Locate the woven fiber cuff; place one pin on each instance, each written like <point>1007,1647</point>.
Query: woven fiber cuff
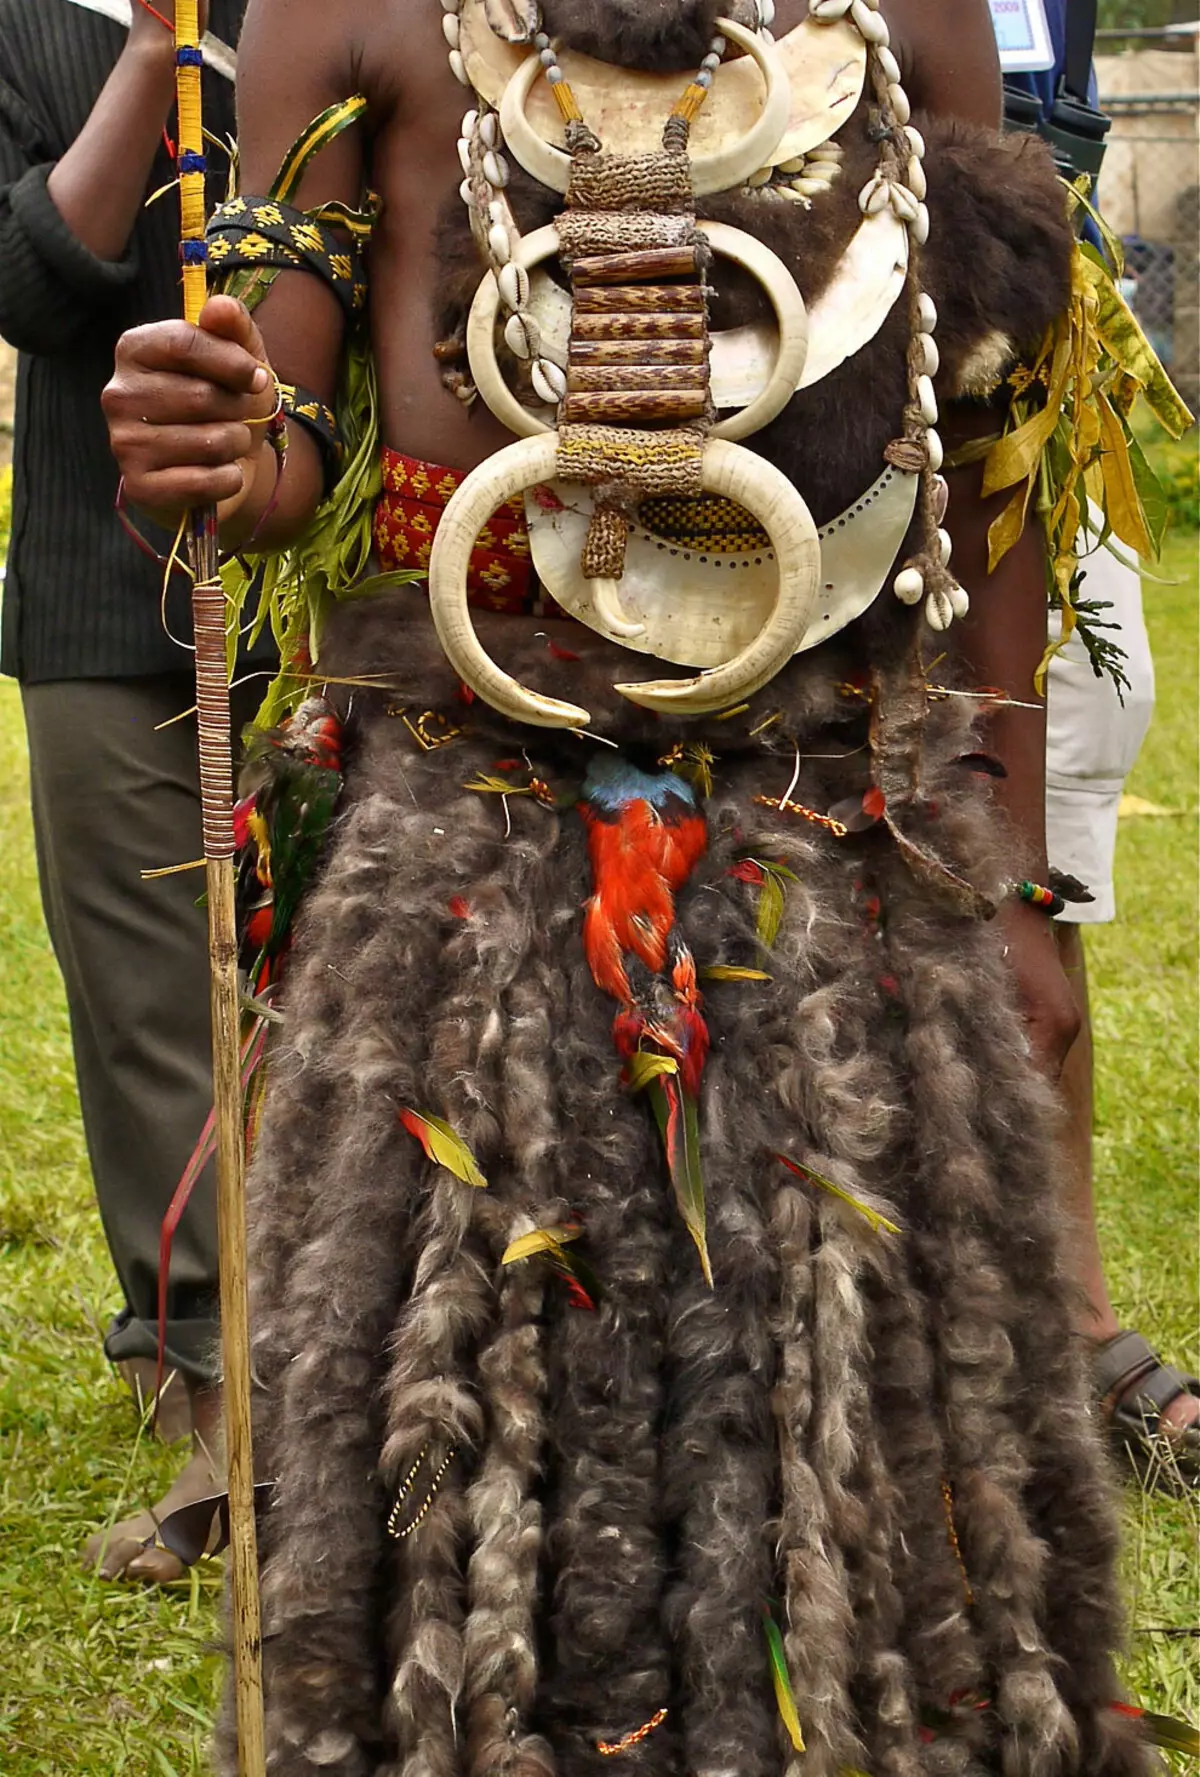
<point>249,232</point>
<point>583,232</point>
<point>632,182</point>
<point>604,549</point>
<point>644,463</point>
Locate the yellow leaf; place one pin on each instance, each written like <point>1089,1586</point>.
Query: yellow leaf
<point>541,1240</point>
<point>1131,807</point>
<point>729,972</point>
<point>645,1066</point>
<point>1017,455</point>
<point>1006,530</point>
<point>444,1147</point>
<point>1122,501</point>
<point>495,786</point>
<point>1128,346</point>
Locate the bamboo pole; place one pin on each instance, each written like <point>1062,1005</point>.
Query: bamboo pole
<point>216,790</point>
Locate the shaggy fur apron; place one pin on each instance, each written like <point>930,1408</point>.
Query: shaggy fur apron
<point>510,1532</point>
<point>877,1437</point>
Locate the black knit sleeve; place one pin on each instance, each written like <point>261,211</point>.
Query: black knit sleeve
<point>50,283</point>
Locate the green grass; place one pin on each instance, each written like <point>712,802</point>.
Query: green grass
<point>97,1680</point>
<point>1144,1013</point>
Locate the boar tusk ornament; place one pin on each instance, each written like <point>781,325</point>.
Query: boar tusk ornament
<point>621,400</point>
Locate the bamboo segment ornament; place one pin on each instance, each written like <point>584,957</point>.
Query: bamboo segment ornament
<point>216,790</point>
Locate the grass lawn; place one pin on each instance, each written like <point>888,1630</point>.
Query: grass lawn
<point>97,1680</point>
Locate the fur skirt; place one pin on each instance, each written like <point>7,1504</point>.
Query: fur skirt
<point>512,1536</point>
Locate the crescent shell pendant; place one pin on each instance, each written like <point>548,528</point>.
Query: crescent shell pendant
<point>728,165</point>
<point>825,65</point>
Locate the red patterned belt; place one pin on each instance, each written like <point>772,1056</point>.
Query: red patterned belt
<point>415,494</point>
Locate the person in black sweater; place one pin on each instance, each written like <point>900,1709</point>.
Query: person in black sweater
<point>86,106</point>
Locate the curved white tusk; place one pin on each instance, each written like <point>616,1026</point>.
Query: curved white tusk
<point>792,319</point>
<point>767,494</point>
<point>725,168</point>
<point>728,243</point>
<point>509,472</point>
<point>606,598</point>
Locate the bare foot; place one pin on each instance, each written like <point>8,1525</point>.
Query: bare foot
<point>127,1550</point>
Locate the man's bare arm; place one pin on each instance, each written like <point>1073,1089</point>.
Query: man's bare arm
<point>296,58</point>
<point>948,57</point>
<point>951,69</point>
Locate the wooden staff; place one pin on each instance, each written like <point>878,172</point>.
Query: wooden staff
<point>216,792</point>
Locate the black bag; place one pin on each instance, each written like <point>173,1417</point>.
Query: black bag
<point>1075,129</point>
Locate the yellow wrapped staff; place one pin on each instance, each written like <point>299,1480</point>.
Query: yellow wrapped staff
<point>216,790</point>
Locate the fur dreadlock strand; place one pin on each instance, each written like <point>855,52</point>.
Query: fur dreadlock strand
<point>344,1207</point>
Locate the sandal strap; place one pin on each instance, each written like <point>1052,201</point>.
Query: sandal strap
<point>1127,1362</point>
<point>1164,1385</point>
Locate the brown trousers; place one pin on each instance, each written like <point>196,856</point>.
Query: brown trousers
<point>114,793</point>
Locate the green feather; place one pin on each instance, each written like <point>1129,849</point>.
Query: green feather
<point>781,1678</point>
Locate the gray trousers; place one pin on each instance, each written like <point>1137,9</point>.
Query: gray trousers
<point>114,794</point>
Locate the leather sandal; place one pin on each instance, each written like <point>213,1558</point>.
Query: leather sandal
<point>1135,1387</point>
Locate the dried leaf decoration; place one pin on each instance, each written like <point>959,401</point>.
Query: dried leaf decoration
<point>781,1678</point>
<point>444,1147</point>
<point>1069,440</point>
<point>878,1222</point>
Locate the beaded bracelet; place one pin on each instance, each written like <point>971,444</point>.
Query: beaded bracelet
<point>1051,904</point>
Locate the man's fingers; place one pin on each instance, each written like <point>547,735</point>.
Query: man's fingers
<point>177,490</point>
<point>163,398</point>
<point>202,447</point>
<point>223,317</point>
<point>177,348</point>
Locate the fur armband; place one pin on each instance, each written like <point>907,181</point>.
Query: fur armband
<point>251,232</point>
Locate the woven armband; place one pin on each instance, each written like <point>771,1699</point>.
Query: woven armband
<point>249,233</point>
<point>320,422</point>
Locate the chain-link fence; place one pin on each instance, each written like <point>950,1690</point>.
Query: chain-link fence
<point>1150,191</point>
